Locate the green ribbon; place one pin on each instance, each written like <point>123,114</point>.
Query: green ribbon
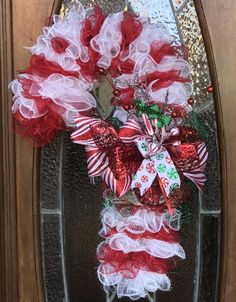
<point>152,111</point>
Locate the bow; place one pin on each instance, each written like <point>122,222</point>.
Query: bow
<point>153,112</point>
<point>107,155</point>
<point>157,162</point>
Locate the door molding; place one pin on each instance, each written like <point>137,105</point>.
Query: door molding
<point>213,67</point>
<point>8,230</point>
<point>20,248</point>
<point>217,18</point>
<point>20,251</point>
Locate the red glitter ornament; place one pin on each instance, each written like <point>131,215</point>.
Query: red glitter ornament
<point>105,137</point>
<point>174,114</point>
<point>187,151</point>
<point>185,157</point>
<point>188,134</point>
<point>210,89</point>
<point>102,71</point>
<point>116,92</point>
<point>179,195</point>
<point>152,196</point>
<point>190,101</point>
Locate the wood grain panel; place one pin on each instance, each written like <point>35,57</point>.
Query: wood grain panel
<point>20,265</point>
<point>8,244</point>
<point>220,20</point>
<point>28,19</point>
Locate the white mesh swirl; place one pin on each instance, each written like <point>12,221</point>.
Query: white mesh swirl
<point>137,287</point>
<point>154,247</point>
<point>142,44</point>
<point>142,220</point>
<point>178,93</point>
<point>71,94</point>
<point>108,41</point>
<point>68,28</point>
<point>26,106</point>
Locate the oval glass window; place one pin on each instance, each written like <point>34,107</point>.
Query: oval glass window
<point>71,206</point>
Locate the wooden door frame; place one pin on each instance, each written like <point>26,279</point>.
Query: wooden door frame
<point>20,252</point>
<point>8,231</point>
<point>221,139</point>
<point>216,18</point>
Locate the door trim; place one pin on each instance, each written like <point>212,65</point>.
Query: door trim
<point>21,278</point>
<point>8,231</point>
<point>222,151</point>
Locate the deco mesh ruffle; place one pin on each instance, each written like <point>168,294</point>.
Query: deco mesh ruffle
<point>146,151</point>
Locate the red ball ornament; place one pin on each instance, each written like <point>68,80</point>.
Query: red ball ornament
<point>174,114</point>
<point>102,71</point>
<point>188,134</point>
<point>210,89</point>
<point>116,92</point>
<point>190,101</point>
<point>141,85</point>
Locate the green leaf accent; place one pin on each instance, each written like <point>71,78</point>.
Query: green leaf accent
<point>195,121</point>
<point>159,124</point>
<point>166,120</point>
<point>152,111</point>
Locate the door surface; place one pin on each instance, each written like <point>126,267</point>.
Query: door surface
<point>43,249</point>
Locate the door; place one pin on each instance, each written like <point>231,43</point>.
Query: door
<point>46,255</point>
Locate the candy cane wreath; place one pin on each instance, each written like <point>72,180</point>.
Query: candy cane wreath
<point>144,152</point>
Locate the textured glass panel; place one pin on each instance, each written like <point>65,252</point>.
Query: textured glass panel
<point>82,206</point>
<point>211,196</point>
<point>50,172</point>
<point>157,11</point>
<point>178,3</point>
<point>53,276</point>
<point>64,171</point>
<point>107,6</point>
<point>192,38</point>
<point>184,277</point>
<point>209,258</point>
